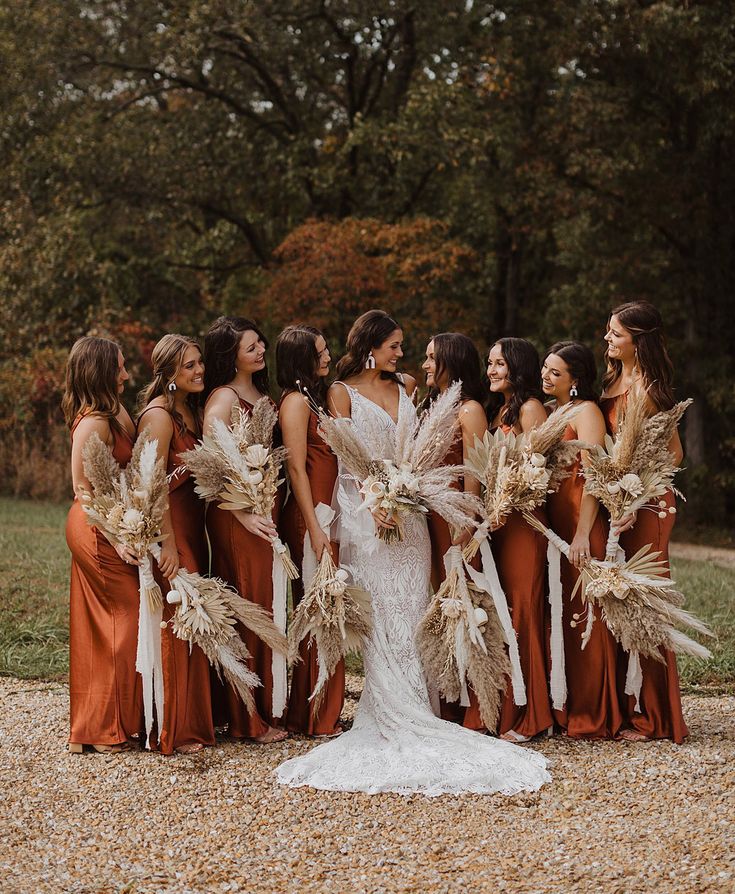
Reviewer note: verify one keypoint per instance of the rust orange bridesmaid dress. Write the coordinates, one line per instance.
(245, 561)
(105, 691)
(187, 713)
(321, 467)
(593, 709)
(520, 557)
(441, 540)
(661, 715)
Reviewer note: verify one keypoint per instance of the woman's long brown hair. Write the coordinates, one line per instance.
(644, 323)
(91, 384)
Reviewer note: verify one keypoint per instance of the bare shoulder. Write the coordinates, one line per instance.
(220, 403)
(157, 417)
(472, 415)
(338, 399)
(294, 406)
(93, 423)
(409, 383)
(531, 414)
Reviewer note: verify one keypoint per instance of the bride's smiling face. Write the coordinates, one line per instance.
(389, 352)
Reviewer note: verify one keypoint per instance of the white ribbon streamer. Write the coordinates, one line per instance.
(280, 598)
(148, 660)
(325, 515)
(487, 580)
(634, 678)
(558, 676)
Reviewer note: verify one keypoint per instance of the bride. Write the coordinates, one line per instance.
(397, 743)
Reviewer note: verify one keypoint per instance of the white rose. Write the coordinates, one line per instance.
(256, 455)
(631, 484)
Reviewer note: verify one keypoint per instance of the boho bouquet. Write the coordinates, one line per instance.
(461, 640)
(239, 465)
(635, 467)
(128, 505)
(335, 616)
(411, 478)
(518, 471)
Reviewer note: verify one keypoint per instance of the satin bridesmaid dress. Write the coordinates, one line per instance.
(441, 540)
(105, 691)
(661, 715)
(187, 711)
(593, 709)
(245, 561)
(520, 557)
(321, 468)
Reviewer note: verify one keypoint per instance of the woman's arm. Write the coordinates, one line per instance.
(160, 426)
(473, 424)
(294, 418)
(590, 425)
(338, 401)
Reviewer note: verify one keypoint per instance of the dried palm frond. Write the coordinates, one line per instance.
(637, 599)
(635, 467)
(207, 612)
(337, 618)
(460, 641)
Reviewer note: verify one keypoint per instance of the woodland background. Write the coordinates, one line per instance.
(495, 168)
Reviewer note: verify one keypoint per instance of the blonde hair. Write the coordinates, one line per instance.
(167, 357)
(91, 385)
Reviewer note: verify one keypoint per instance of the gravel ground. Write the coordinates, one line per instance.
(618, 817)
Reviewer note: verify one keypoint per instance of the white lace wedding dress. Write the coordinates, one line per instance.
(397, 743)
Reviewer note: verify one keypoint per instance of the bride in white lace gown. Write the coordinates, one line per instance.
(397, 743)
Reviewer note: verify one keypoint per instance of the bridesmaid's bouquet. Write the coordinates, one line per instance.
(406, 473)
(239, 465)
(635, 467)
(461, 640)
(335, 616)
(128, 506)
(517, 472)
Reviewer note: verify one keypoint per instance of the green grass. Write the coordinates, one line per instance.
(34, 582)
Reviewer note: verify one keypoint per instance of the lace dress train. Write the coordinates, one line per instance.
(397, 743)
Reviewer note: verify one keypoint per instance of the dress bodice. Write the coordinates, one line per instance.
(375, 424)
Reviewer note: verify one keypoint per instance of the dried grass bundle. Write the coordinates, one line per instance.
(517, 472)
(336, 617)
(206, 615)
(407, 474)
(638, 602)
(635, 467)
(460, 640)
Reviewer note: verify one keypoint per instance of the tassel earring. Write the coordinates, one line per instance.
(370, 362)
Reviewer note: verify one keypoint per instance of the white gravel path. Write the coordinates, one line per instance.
(619, 817)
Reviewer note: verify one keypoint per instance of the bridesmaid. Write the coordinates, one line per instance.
(235, 374)
(452, 357)
(592, 708)
(105, 694)
(302, 359)
(514, 371)
(637, 358)
(171, 415)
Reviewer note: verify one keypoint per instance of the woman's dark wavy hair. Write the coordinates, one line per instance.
(645, 324)
(524, 374)
(221, 345)
(580, 362)
(458, 359)
(297, 363)
(368, 331)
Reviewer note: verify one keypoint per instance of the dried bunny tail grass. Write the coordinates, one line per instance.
(436, 433)
(100, 466)
(489, 674)
(545, 436)
(340, 434)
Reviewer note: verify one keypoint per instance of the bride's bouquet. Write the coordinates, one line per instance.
(406, 474)
(128, 506)
(335, 616)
